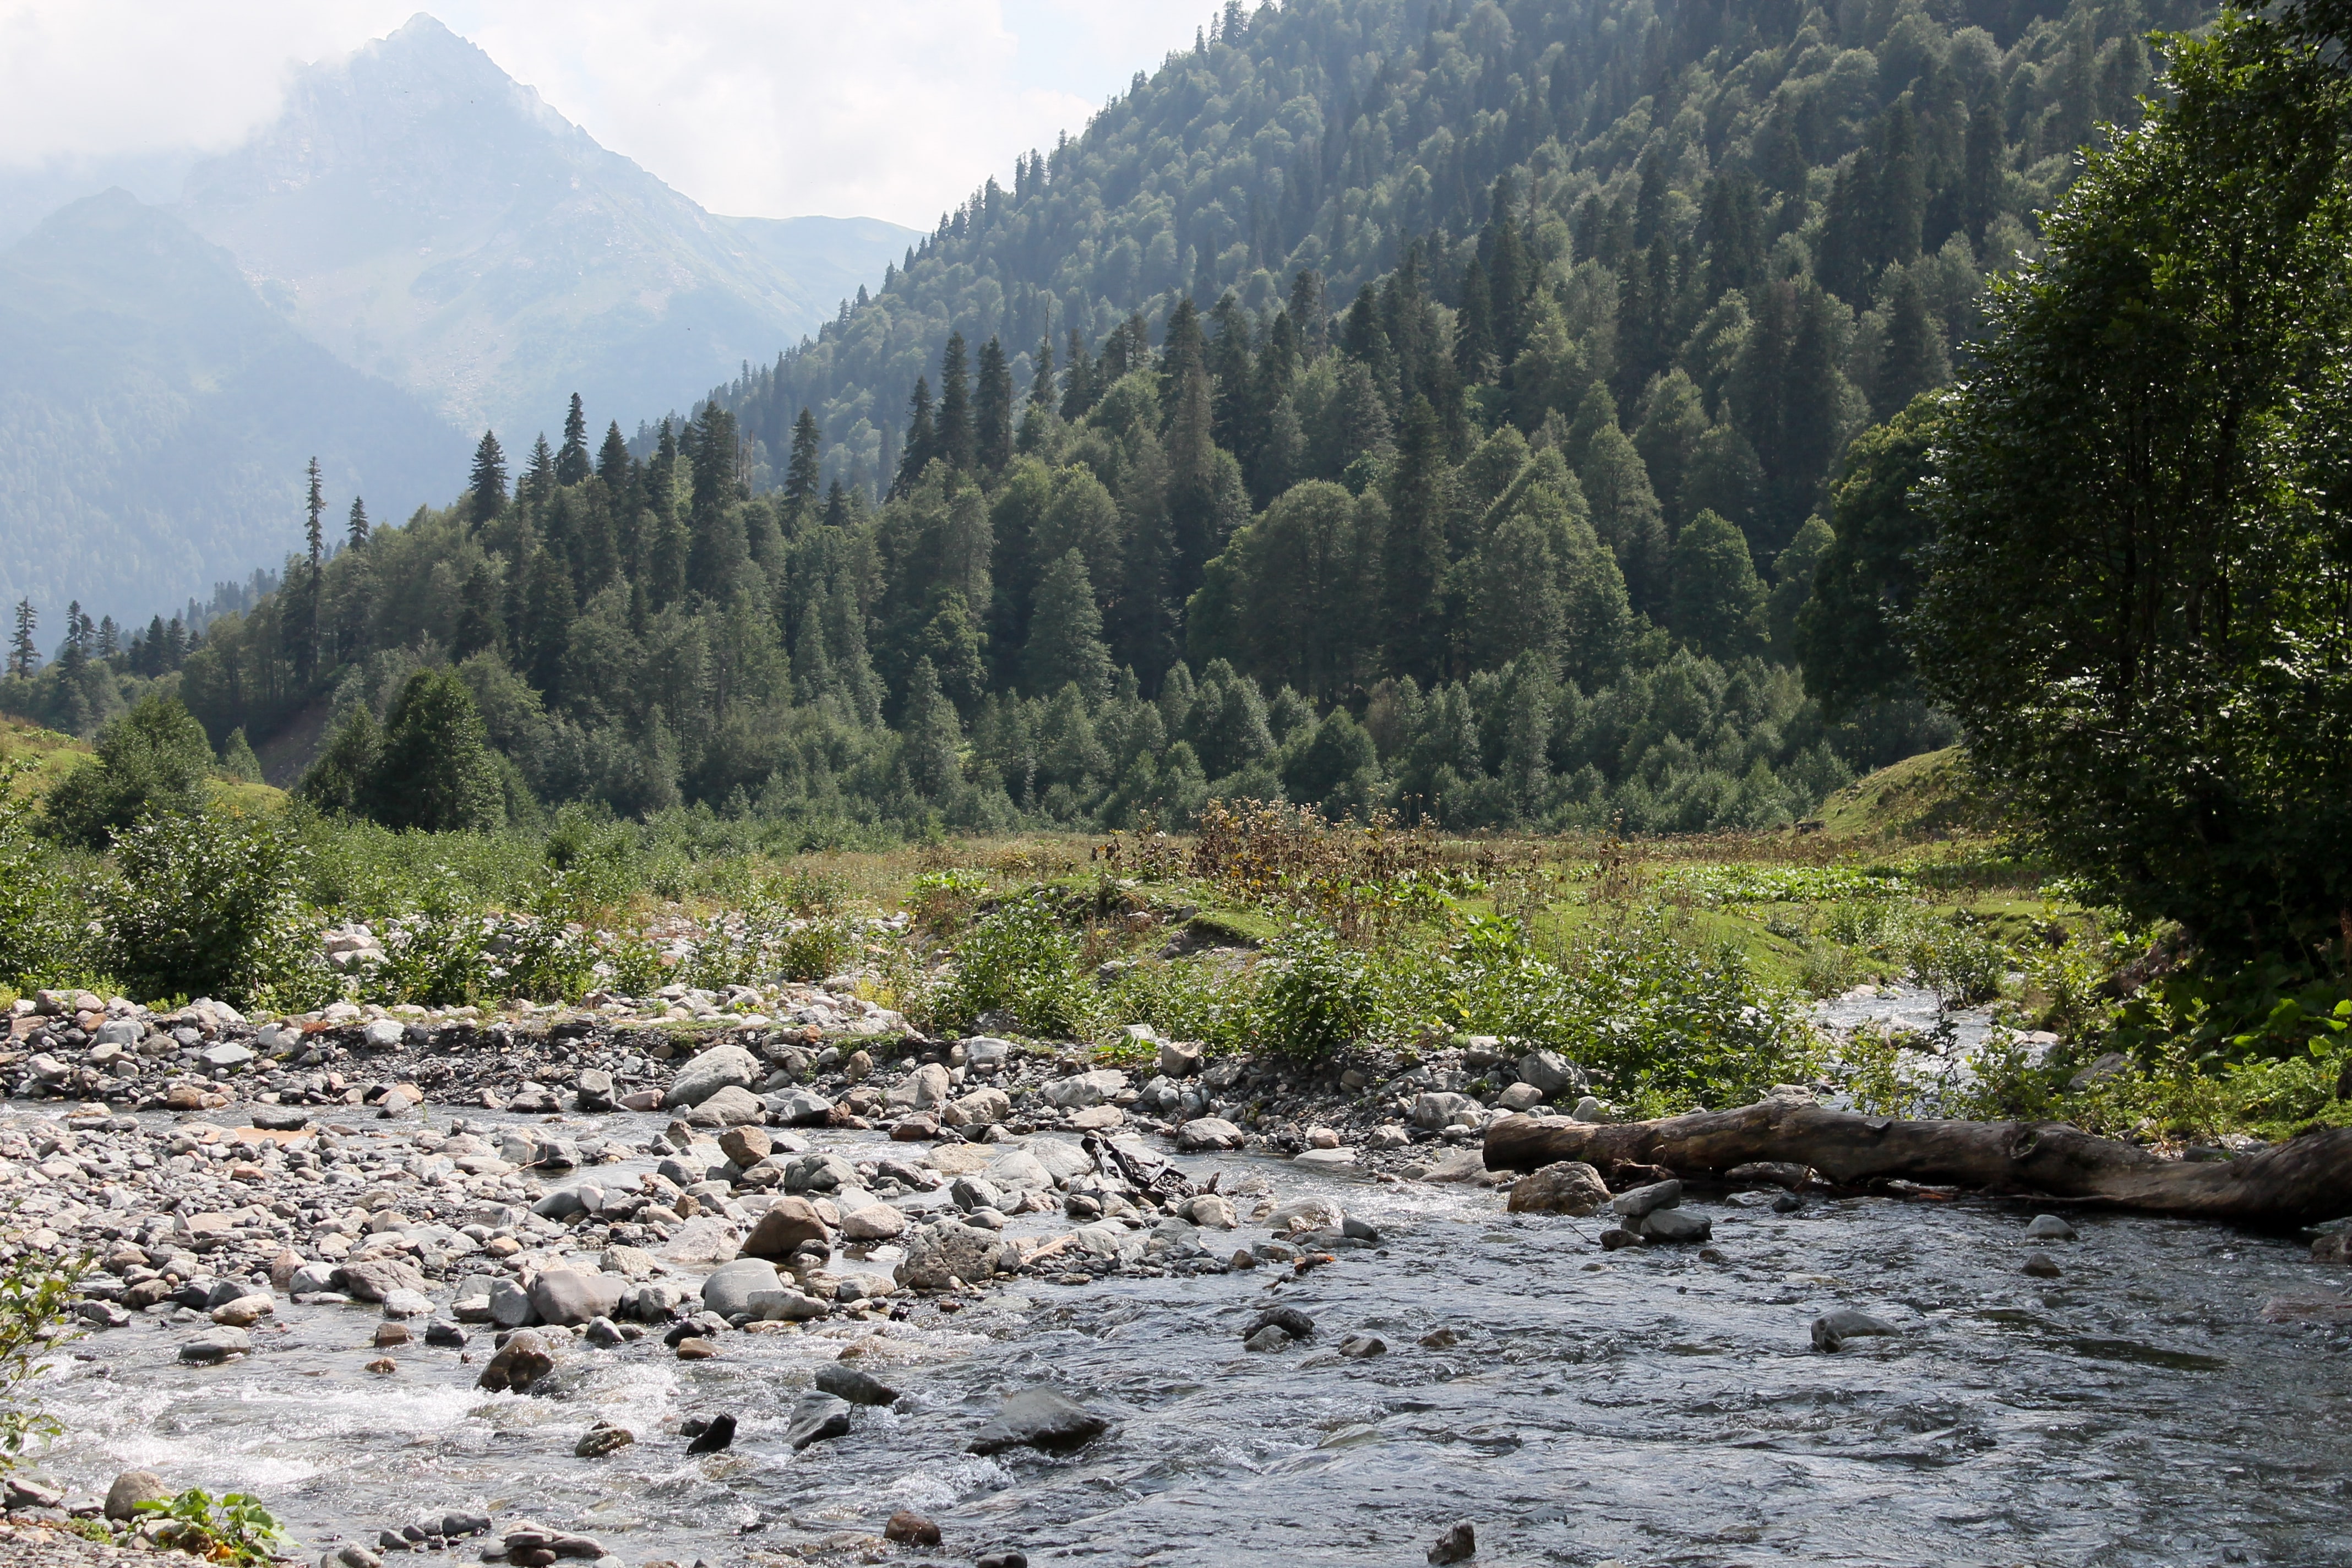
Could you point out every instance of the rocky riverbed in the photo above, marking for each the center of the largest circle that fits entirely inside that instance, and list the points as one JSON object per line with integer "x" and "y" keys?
{"x": 769, "y": 1278}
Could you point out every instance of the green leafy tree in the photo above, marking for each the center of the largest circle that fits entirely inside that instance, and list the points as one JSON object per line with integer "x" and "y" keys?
{"x": 1066, "y": 645}
{"x": 434, "y": 770}
{"x": 1847, "y": 634}
{"x": 153, "y": 759}
{"x": 339, "y": 780}
{"x": 1719, "y": 603}
{"x": 236, "y": 759}
{"x": 2137, "y": 604}
{"x": 1792, "y": 583}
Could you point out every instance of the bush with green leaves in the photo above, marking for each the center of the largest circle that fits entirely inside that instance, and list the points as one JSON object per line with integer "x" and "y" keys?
{"x": 43, "y": 940}
{"x": 1019, "y": 958}
{"x": 234, "y": 1530}
{"x": 35, "y": 1293}
{"x": 151, "y": 760}
{"x": 1316, "y": 994}
{"x": 207, "y": 906}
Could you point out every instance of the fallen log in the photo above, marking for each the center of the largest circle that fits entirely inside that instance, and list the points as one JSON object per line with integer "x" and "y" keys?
{"x": 2302, "y": 1182}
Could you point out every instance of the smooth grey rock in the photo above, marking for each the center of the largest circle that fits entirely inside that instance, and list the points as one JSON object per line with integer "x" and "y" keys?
{"x": 1081, "y": 1089}
{"x": 1551, "y": 1073}
{"x": 569, "y": 1297}
{"x": 132, "y": 1487}
{"x": 728, "y": 1288}
{"x": 789, "y": 1224}
{"x": 1564, "y": 1186}
{"x": 800, "y": 1108}
{"x": 210, "y": 1348}
{"x": 719, "y": 1067}
{"x": 732, "y": 1105}
{"x": 510, "y": 1305}
{"x": 593, "y": 1090}
{"x": 1676, "y": 1226}
{"x": 1640, "y": 1201}
{"x": 1039, "y": 1418}
{"x": 1437, "y": 1109}
{"x": 815, "y": 1419}
{"x": 1208, "y": 1132}
{"x": 845, "y": 1382}
{"x": 2049, "y": 1227}
{"x": 1834, "y": 1328}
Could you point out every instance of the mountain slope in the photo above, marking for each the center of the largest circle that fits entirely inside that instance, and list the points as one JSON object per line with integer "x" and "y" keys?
{"x": 155, "y": 417}
{"x": 433, "y": 221}
{"x": 1330, "y": 133}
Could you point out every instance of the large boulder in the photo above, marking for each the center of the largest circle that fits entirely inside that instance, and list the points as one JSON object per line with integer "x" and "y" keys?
{"x": 800, "y": 1108}
{"x": 1552, "y": 1073}
{"x": 788, "y": 1223}
{"x": 1208, "y": 1132}
{"x": 1439, "y": 1110}
{"x": 716, "y": 1069}
{"x": 374, "y": 1279}
{"x": 981, "y": 1108}
{"x": 1039, "y": 1418}
{"x": 1564, "y": 1186}
{"x": 567, "y": 1297}
{"x": 1081, "y": 1089}
{"x": 875, "y": 1221}
{"x": 1021, "y": 1171}
{"x": 728, "y": 1288}
{"x": 940, "y": 1254}
{"x": 732, "y": 1105}
{"x": 921, "y": 1089}
{"x": 522, "y": 1361}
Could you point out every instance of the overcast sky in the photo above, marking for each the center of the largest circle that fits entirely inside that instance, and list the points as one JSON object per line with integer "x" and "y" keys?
{"x": 892, "y": 109}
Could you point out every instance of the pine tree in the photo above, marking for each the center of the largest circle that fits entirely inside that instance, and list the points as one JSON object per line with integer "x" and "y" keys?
{"x": 488, "y": 480}
{"x": 356, "y": 531}
{"x": 612, "y": 463}
{"x": 922, "y": 439}
{"x": 1041, "y": 375}
{"x": 1078, "y": 388}
{"x": 1474, "y": 330}
{"x": 537, "y": 486}
{"x": 992, "y": 410}
{"x": 1414, "y": 561}
{"x": 955, "y": 433}
{"x": 571, "y": 459}
{"x": 803, "y": 474}
{"x": 436, "y": 770}
{"x": 933, "y": 735}
{"x": 1915, "y": 360}
{"x": 1066, "y": 634}
{"x": 479, "y": 629}
{"x": 24, "y": 654}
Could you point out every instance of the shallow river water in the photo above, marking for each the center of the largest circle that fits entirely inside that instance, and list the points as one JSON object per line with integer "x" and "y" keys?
{"x": 1646, "y": 1406}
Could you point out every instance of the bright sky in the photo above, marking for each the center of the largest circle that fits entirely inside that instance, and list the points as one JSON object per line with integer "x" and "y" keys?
{"x": 892, "y": 109}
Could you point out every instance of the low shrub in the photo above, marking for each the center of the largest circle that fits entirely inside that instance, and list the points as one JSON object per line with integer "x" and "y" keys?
{"x": 1019, "y": 958}
{"x": 207, "y": 906}
{"x": 1315, "y": 995}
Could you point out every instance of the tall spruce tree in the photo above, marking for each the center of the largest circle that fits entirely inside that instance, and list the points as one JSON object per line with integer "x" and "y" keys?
{"x": 803, "y": 473}
{"x": 956, "y": 430}
{"x": 487, "y": 482}
{"x": 572, "y": 457}
{"x": 992, "y": 410}
{"x": 23, "y": 653}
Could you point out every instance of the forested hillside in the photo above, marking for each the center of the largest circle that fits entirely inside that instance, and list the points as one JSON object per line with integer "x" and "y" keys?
{"x": 1434, "y": 407}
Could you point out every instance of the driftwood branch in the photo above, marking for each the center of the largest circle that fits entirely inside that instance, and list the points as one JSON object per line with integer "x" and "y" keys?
{"x": 2302, "y": 1182}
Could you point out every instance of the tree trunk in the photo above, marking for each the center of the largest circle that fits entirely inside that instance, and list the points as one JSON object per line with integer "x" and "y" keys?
{"x": 2298, "y": 1183}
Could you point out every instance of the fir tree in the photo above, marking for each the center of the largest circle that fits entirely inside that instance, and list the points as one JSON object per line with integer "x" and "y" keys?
{"x": 1065, "y": 642}
{"x": 23, "y": 653}
{"x": 571, "y": 458}
{"x": 923, "y": 440}
{"x": 956, "y": 437}
{"x": 486, "y": 483}
{"x": 992, "y": 410}
{"x": 355, "y": 532}
{"x": 612, "y": 463}
{"x": 537, "y": 487}
{"x": 803, "y": 474}
{"x": 1414, "y": 561}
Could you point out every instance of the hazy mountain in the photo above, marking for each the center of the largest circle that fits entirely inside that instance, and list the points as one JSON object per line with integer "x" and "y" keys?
{"x": 156, "y": 417}
{"x": 430, "y": 219}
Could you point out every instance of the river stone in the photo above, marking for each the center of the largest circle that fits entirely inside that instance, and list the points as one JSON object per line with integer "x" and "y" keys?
{"x": 746, "y": 1145}
{"x": 1212, "y": 1209}
{"x": 715, "y": 1436}
{"x": 981, "y": 1108}
{"x": 1208, "y": 1132}
{"x": 719, "y": 1067}
{"x": 1178, "y": 1058}
{"x": 568, "y": 1297}
{"x": 926, "y": 1087}
{"x": 943, "y": 1252}
{"x": 1019, "y": 1170}
{"x": 1519, "y": 1097}
{"x": 731, "y": 1106}
{"x": 2049, "y": 1227}
{"x": 408, "y": 1304}
{"x": 800, "y": 1108}
{"x": 1061, "y": 1158}
{"x": 910, "y": 1528}
{"x": 817, "y": 1418}
{"x": 786, "y": 1305}
{"x": 1564, "y": 1186}
{"x": 1834, "y": 1328}
{"x": 244, "y": 1311}
{"x": 844, "y": 1381}
{"x": 1676, "y": 1225}
{"x": 2040, "y": 1265}
{"x": 1438, "y": 1109}
{"x": 1307, "y": 1214}
{"x": 789, "y": 1223}
{"x": 875, "y": 1221}
{"x": 510, "y": 1305}
{"x": 1552, "y": 1073}
{"x": 374, "y": 1279}
{"x": 209, "y": 1350}
{"x": 1636, "y": 1202}
{"x": 1081, "y": 1089}
{"x": 593, "y": 1090}
{"x": 131, "y": 1489}
{"x": 728, "y": 1288}
{"x": 1458, "y": 1545}
{"x": 522, "y": 1361}
{"x": 603, "y": 1438}
{"x": 1039, "y": 1418}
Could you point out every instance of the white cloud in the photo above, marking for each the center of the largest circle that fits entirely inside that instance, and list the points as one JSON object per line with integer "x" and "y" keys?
{"x": 895, "y": 109}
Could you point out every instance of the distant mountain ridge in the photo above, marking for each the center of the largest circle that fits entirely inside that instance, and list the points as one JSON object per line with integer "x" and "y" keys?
{"x": 418, "y": 246}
